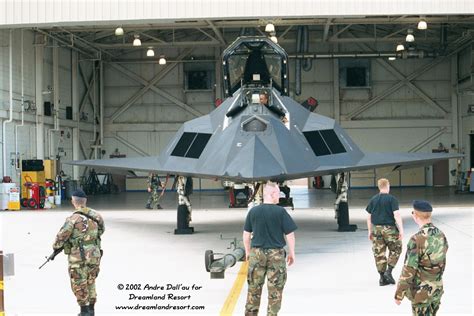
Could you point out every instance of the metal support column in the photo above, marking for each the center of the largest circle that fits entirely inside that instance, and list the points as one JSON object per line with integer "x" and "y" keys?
{"x": 218, "y": 73}
{"x": 101, "y": 104}
{"x": 75, "y": 112}
{"x": 337, "y": 103}
{"x": 55, "y": 110}
{"x": 335, "y": 71}
{"x": 39, "y": 55}
{"x": 454, "y": 101}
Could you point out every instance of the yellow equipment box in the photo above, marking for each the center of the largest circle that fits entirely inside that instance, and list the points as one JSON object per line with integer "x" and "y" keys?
{"x": 49, "y": 169}
{"x": 14, "y": 202}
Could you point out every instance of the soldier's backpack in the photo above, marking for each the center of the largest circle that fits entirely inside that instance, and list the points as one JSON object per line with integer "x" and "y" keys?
{"x": 188, "y": 187}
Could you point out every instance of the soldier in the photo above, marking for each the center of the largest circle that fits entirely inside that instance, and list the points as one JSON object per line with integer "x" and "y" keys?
{"x": 154, "y": 185}
{"x": 184, "y": 188}
{"x": 385, "y": 226}
{"x": 421, "y": 279}
{"x": 269, "y": 224}
{"x": 80, "y": 238}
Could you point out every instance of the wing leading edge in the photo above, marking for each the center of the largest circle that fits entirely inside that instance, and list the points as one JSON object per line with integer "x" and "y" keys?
{"x": 368, "y": 161}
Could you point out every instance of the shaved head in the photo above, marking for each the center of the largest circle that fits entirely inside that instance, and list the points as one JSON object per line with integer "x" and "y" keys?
{"x": 271, "y": 193}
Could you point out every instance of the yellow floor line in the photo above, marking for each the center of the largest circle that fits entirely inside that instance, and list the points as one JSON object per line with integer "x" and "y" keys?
{"x": 1, "y": 285}
{"x": 234, "y": 294}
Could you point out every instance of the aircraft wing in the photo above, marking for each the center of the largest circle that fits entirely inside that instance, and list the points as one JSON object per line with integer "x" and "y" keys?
{"x": 136, "y": 164}
{"x": 397, "y": 160}
{"x": 368, "y": 161}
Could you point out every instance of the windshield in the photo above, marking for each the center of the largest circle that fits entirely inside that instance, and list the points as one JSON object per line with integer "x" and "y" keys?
{"x": 254, "y": 62}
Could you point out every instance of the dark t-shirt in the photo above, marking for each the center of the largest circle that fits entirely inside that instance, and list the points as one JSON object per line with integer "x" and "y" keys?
{"x": 381, "y": 207}
{"x": 269, "y": 223}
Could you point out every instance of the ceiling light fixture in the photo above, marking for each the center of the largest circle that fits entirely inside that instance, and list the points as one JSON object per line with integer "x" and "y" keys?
{"x": 422, "y": 25}
{"x": 270, "y": 28}
{"x": 392, "y": 58}
{"x": 136, "y": 41}
{"x": 410, "y": 38}
{"x": 162, "y": 60}
{"x": 400, "y": 47}
{"x": 150, "y": 52}
{"x": 119, "y": 31}
{"x": 274, "y": 39}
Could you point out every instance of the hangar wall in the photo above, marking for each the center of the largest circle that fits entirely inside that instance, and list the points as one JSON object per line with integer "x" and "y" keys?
{"x": 27, "y": 144}
{"x": 401, "y": 121}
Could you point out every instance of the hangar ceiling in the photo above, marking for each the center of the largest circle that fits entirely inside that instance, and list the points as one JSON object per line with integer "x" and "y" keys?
{"x": 443, "y": 33}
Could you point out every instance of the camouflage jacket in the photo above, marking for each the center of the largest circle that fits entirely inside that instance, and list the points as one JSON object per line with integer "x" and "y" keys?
{"x": 154, "y": 182}
{"x": 421, "y": 279}
{"x": 80, "y": 237}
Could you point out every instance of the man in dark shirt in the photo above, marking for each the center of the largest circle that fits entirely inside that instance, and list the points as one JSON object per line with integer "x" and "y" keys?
{"x": 269, "y": 224}
{"x": 385, "y": 227}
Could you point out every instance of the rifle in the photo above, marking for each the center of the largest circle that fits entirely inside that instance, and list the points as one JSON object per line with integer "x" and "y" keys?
{"x": 52, "y": 256}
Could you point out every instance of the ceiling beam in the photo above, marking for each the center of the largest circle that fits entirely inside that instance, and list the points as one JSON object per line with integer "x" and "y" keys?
{"x": 326, "y": 30}
{"x": 160, "y": 44}
{"x": 217, "y": 32}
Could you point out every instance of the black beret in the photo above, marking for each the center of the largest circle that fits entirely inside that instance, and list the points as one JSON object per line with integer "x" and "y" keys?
{"x": 79, "y": 193}
{"x": 422, "y": 206}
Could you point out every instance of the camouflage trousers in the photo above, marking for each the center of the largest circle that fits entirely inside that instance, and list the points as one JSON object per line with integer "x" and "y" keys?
{"x": 154, "y": 198}
{"x": 385, "y": 236}
{"x": 269, "y": 263}
{"x": 425, "y": 310}
{"x": 83, "y": 283}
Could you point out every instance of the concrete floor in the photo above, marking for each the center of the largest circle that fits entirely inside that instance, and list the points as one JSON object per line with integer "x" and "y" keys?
{"x": 334, "y": 273}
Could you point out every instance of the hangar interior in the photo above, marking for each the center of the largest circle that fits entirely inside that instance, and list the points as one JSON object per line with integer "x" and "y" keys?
{"x": 82, "y": 91}
{"x": 73, "y": 86}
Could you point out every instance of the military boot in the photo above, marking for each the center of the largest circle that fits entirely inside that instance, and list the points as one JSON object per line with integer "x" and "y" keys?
{"x": 382, "y": 280}
{"x": 84, "y": 311}
{"x": 91, "y": 309}
{"x": 148, "y": 206}
{"x": 158, "y": 207}
{"x": 388, "y": 275}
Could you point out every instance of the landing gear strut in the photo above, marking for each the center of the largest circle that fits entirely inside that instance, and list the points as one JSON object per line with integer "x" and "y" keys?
{"x": 183, "y": 221}
{"x": 184, "y": 207}
{"x": 341, "y": 206}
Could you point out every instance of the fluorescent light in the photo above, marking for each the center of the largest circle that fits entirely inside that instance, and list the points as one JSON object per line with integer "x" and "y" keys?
{"x": 119, "y": 31}
{"x": 162, "y": 60}
{"x": 410, "y": 38}
{"x": 274, "y": 39}
{"x": 269, "y": 28}
{"x": 136, "y": 41}
{"x": 400, "y": 47}
{"x": 150, "y": 52}
{"x": 392, "y": 58}
{"x": 422, "y": 25}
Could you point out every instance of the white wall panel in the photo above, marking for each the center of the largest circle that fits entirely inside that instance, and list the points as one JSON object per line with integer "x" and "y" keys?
{"x": 27, "y": 134}
{"x": 82, "y": 11}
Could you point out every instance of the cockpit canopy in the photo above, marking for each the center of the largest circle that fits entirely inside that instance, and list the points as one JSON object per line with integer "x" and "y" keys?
{"x": 255, "y": 62}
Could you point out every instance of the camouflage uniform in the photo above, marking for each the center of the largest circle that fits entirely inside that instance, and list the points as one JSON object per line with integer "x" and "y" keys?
{"x": 80, "y": 237}
{"x": 385, "y": 236}
{"x": 270, "y": 263}
{"x": 183, "y": 199}
{"x": 154, "y": 184}
{"x": 421, "y": 278}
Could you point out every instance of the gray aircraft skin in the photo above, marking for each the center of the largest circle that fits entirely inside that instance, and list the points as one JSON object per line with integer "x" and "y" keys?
{"x": 245, "y": 141}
